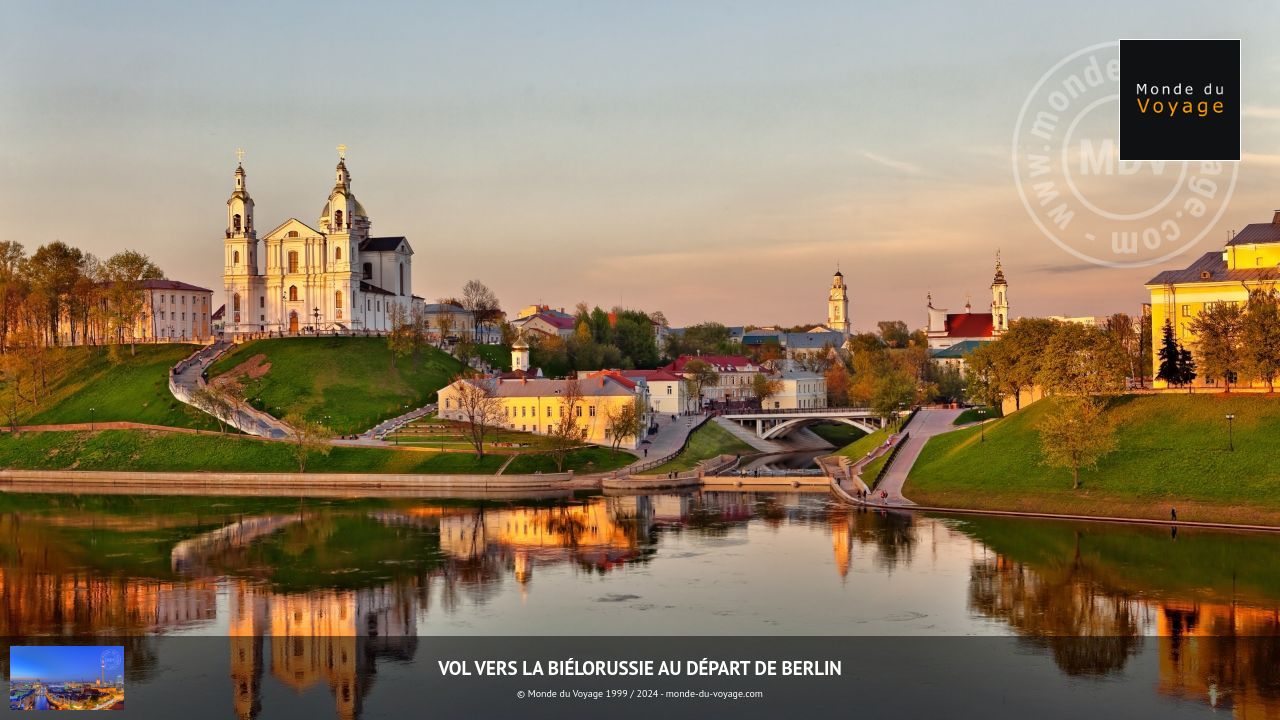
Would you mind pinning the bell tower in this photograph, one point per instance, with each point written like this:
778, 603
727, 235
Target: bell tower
999, 301
241, 242
838, 305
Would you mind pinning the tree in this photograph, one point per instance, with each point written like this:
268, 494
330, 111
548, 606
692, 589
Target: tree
627, 420
981, 383
698, 375
13, 288
1120, 327
481, 302
1186, 367
565, 433
479, 407
1081, 360
837, 385
764, 387
126, 297
1218, 347
1260, 336
54, 270
1170, 356
894, 391
214, 403
1075, 435
309, 438
894, 333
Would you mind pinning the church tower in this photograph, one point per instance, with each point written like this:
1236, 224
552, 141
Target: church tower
999, 301
838, 306
240, 249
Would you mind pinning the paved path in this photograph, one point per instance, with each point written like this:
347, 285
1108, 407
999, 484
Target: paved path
669, 438
926, 423
188, 376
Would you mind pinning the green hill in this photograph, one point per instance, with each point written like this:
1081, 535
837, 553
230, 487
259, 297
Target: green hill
88, 385
1171, 451
347, 384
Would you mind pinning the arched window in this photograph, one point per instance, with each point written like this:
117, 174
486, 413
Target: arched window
337, 253
401, 278
337, 219
235, 257
293, 261
235, 302
235, 222
293, 293
337, 299
368, 271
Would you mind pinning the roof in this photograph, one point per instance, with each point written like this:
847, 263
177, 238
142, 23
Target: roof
557, 320
959, 350
369, 287
1258, 233
442, 308
1216, 269
172, 285
658, 375
603, 385
720, 362
813, 340
969, 325
217, 314
613, 375
382, 244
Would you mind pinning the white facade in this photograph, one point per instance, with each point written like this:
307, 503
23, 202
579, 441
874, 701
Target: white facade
838, 306
800, 389
333, 277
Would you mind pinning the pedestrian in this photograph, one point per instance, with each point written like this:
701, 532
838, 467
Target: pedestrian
646, 452
1173, 513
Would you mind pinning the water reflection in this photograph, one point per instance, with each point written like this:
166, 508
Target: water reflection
318, 594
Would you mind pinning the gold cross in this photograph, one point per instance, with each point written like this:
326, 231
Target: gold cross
239, 154
342, 152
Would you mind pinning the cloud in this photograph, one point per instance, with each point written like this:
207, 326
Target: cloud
900, 165
1259, 111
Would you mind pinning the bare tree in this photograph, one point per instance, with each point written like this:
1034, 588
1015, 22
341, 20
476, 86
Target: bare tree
566, 433
479, 408
698, 375
481, 302
214, 403
309, 438
624, 422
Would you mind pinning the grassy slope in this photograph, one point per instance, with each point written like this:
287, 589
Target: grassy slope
134, 388
863, 445
158, 451
972, 415
707, 441
585, 460
498, 356
838, 434
348, 384
1171, 451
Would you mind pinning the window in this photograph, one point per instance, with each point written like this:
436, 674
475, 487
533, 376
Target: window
293, 261
337, 219
235, 258
293, 293
1186, 311
337, 299
401, 278
235, 302
548, 411
235, 222
367, 271
579, 411
262, 301
337, 253
591, 411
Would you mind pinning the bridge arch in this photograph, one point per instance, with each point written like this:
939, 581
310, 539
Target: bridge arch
785, 428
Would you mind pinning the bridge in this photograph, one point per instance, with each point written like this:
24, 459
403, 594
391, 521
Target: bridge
772, 424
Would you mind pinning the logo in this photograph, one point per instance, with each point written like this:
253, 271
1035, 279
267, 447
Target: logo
1083, 196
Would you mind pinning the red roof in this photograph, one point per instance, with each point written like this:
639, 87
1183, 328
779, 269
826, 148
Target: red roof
658, 375
612, 375
969, 325
719, 362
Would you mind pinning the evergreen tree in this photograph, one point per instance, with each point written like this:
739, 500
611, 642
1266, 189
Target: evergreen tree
1170, 357
1186, 371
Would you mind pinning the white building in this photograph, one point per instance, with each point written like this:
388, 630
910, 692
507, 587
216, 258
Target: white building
333, 277
800, 389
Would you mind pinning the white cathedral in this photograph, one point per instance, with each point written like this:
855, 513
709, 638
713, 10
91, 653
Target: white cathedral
336, 278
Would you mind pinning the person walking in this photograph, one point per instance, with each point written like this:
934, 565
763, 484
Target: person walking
1173, 514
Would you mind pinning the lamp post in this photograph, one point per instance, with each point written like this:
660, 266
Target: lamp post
91, 419
1231, 445
982, 426
315, 326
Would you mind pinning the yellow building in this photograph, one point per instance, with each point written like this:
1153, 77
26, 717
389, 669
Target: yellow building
1248, 261
537, 404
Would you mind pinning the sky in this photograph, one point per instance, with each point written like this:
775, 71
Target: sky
712, 160
55, 663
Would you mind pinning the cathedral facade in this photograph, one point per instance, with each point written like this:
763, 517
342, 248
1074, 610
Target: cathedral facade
335, 277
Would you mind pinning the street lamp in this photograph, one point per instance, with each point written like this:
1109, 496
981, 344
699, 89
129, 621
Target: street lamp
1231, 445
982, 426
315, 326
91, 419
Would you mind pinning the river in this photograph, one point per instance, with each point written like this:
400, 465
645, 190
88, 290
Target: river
781, 564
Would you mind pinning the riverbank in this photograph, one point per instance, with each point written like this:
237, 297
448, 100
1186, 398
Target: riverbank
1172, 451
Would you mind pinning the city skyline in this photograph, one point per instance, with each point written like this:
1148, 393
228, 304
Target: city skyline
59, 663
664, 158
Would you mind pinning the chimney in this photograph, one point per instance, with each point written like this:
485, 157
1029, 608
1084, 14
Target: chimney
1275, 219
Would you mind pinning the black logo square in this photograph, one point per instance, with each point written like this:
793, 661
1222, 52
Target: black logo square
1180, 100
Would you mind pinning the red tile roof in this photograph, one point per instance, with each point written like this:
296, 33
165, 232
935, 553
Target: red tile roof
969, 325
658, 375
719, 362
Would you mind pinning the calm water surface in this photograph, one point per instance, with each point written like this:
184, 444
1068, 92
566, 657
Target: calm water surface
710, 563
